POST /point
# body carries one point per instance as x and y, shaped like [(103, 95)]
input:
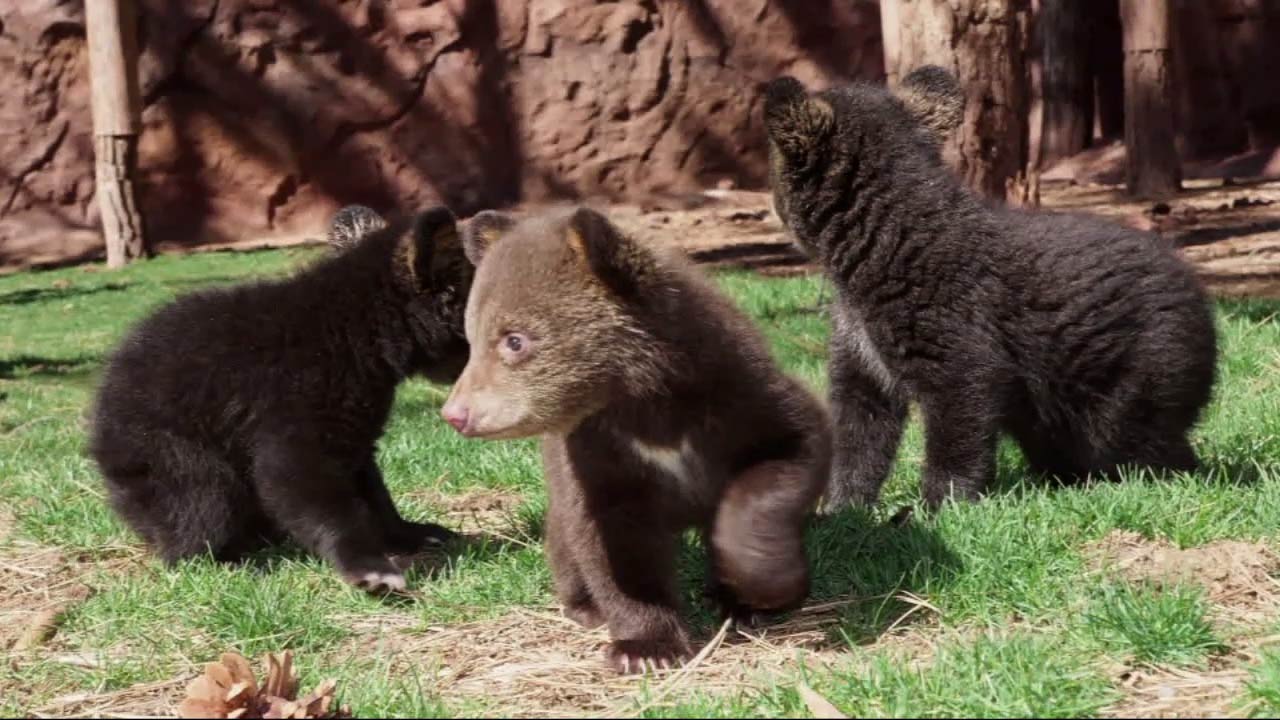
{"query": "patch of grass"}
[(386, 688), (1015, 559), (1015, 676), (1164, 626), (1263, 688), (990, 676)]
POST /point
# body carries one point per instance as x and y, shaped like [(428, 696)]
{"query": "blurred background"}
[(256, 119)]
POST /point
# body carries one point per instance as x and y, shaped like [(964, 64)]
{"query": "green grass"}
[(1153, 626), (1264, 687), (1024, 623)]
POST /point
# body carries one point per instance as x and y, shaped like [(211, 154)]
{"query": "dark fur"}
[(632, 348), (353, 223), (234, 415), (1091, 344)]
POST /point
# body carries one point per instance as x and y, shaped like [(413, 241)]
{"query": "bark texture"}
[(1153, 169), (981, 42)]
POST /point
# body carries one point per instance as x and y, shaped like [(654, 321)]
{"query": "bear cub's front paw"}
[(647, 654)]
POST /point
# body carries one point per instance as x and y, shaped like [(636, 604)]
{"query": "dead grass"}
[(1179, 693), (547, 666), (494, 512), (37, 585), (144, 700), (1237, 577)]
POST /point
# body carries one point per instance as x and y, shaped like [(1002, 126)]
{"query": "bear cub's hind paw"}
[(379, 576)]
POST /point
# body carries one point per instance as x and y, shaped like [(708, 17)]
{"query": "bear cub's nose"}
[(456, 415)]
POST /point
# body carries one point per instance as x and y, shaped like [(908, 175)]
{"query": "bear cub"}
[(235, 416), (660, 409), (1091, 344)]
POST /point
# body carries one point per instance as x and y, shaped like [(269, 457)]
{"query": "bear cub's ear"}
[(795, 122), (432, 248), (620, 263), (935, 98), (482, 231), (352, 224)]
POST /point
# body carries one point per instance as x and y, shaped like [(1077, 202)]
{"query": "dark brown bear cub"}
[(1091, 344), (660, 408), (236, 415)]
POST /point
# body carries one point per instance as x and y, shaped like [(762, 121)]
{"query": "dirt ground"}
[(1230, 230), (1239, 580), (543, 663)]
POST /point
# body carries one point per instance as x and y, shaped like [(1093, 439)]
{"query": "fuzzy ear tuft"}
[(482, 230), (351, 224), (795, 122), (612, 257), (934, 97), (432, 246)]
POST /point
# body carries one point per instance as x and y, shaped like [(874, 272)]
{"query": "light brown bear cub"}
[(660, 408)]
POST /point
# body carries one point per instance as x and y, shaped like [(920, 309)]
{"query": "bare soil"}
[(1239, 579)]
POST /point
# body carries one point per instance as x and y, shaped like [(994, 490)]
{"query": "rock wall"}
[(262, 116)]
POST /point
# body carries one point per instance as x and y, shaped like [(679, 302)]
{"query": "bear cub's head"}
[(814, 136), (556, 323), (422, 269)]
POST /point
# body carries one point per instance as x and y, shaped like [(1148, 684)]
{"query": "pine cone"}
[(228, 689)]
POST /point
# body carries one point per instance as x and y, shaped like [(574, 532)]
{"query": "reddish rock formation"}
[(261, 116)]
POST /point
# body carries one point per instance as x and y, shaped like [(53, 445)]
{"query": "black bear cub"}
[(237, 415), (1091, 344), (660, 409)]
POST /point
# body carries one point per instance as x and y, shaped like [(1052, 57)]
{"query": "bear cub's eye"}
[(514, 347)]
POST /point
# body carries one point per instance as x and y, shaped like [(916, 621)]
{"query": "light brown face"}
[(550, 340)]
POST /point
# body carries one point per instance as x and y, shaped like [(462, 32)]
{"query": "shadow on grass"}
[(863, 576), (54, 294), (424, 567), (866, 573), (26, 366), (1252, 310), (1016, 480)]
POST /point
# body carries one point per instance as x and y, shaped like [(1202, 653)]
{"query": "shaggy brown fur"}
[(660, 409)]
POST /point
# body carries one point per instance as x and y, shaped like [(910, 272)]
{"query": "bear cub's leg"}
[(961, 429), (404, 537), (868, 423), (756, 548), (312, 491), (625, 562), (570, 583), (183, 499)]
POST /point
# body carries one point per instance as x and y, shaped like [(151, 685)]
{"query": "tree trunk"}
[(1067, 125), (111, 28), (1153, 168), (1106, 51), (980, 42)]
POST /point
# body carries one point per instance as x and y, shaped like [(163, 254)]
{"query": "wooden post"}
[(111, 27), (889, 29), (1153, 168), (980, 42), (1066, 81), (1106, 60)]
